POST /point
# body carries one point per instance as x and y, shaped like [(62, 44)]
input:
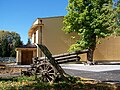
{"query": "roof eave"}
[(32, 29)]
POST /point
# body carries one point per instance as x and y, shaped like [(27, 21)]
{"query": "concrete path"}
[(106, 73)]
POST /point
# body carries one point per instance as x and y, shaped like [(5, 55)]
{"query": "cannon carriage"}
[(47, 69)]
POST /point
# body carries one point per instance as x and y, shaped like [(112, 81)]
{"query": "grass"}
[(15, 83), (29, 83)]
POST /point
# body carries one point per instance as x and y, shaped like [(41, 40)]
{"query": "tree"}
[(8, 42), (91, 20), (5, 47), (0, 50), (117, 7), (16, 42)]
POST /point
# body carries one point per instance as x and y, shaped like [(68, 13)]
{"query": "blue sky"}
[(18, 15)]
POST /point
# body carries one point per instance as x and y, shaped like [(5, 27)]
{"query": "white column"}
[(18, 57), (33, 38), (38, 40), (37, 35)]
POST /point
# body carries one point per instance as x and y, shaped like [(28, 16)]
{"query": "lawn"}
[(29, 83)]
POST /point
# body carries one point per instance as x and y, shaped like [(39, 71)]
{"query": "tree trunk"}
[(91, 50), (90, 56)]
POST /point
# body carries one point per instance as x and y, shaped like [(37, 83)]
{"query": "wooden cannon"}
[(47, 68)]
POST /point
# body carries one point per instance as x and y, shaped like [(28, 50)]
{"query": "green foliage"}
[(74, 47), (117, 13), (25, 78), (90, 19), (8, 42), (0, 50), (4, 44), (2, 34)]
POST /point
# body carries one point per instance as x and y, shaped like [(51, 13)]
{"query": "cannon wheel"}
[(45, 72)]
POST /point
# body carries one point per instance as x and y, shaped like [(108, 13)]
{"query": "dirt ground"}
[(11, 71)]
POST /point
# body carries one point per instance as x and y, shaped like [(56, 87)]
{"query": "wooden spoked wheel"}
[(45, 72)]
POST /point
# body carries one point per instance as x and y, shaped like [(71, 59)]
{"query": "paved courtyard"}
[(106, 73)]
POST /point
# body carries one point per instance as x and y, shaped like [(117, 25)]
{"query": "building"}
[(48, 31), (25, 53)]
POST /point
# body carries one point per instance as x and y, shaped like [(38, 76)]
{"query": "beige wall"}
[(109, 49), (58, 42), (52, 36)]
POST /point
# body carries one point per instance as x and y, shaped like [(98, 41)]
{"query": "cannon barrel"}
[(72, 53), (67, 54), (67, 57)]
